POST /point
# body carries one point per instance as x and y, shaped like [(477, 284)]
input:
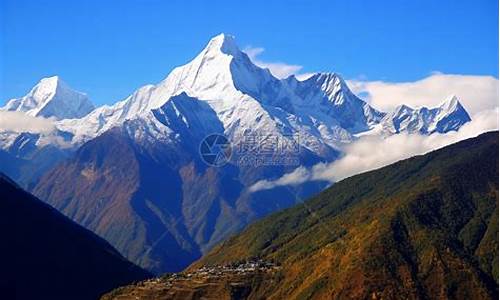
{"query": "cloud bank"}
[(15, 121), (476, 93), (371, 152)]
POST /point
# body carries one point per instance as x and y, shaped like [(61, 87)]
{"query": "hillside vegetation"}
[(422, 228)]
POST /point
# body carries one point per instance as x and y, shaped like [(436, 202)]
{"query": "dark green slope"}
[(422, 228), (44, 255)]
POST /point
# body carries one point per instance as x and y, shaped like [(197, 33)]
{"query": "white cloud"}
[(278, 69), (20, 122), (372, 152), (304, 76), (476, 93)]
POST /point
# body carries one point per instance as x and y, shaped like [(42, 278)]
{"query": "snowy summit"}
[(52, 97), (243, 98)]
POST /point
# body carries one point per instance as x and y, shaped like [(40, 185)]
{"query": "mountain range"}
[(132, 172), (422, 228)]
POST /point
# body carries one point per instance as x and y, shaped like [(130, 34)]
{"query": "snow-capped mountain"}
[(134, 174), (36, 152), (450, 115), (322, 108), (52, 97)]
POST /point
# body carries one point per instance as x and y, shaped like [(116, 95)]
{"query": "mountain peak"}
[(224, 43), (52, 81), (329, 80), (451, 103), (52, 97), (402, 108), (223, 76), (448, 116), (50, 85)]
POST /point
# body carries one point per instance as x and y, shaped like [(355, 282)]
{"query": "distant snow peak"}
[(51, 83), (328, 79), (224, 43), (52, 97), (46, 88), (222, 86), (451, 103), (450, 115), (332, 84)]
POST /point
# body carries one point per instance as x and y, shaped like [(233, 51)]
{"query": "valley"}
[(132, 172), (366, 237)]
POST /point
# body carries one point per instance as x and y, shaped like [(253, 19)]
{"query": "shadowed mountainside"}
[(156, 204), (47, 256)]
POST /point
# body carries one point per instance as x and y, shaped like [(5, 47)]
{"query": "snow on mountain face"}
[(191, 118), (245, 98), (159, 128), (449, 116), (40, 150), (52, 97), (330, 93), (322, 109)]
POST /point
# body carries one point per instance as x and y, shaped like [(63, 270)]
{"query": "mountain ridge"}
[(444, 197), (450, 115), (161, 128), (321, 107), (422, 228)]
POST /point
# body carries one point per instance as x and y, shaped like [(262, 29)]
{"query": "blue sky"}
[(110, 48)]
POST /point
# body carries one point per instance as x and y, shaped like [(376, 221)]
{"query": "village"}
[(212, 281), (241, 268), (214, 272)]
